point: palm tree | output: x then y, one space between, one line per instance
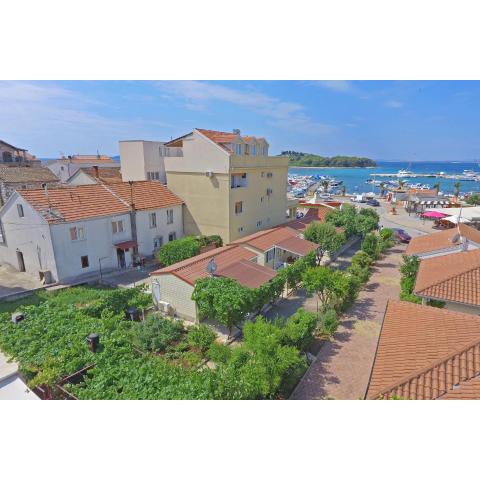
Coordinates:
436 187
457 186
325 184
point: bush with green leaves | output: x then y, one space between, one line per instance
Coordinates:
328 322
370 246
155 333
473 199
362 259
201 337
219 353
299 329
186 247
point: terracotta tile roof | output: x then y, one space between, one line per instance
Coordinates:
11 146
192 269
441 240
454 277
106 175
147 194
74 203
423 352
422 193
297 245
247 273
266 239
27 174
89 159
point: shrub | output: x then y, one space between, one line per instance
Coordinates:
155 333
409 271
191 359
370 246
178 250
362 260
386 234
201 337
328 322
218 353
299 329
473 199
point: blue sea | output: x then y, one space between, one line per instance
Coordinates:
355 178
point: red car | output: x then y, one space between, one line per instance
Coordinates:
401 235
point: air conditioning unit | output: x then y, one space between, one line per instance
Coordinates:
165 307
209 174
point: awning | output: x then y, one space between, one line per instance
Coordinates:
126 245
434 215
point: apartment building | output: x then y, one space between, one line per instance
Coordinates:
64 234
143 160
230 185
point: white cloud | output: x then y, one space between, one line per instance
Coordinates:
197 95
393 104
336 85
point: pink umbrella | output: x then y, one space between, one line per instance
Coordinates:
434 215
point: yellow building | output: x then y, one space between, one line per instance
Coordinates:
231 187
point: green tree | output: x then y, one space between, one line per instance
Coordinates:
299 329
155 333
473 199
329 285
457 186
222 299
362 260
201 337
326 235
343 217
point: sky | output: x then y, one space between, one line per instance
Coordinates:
384 120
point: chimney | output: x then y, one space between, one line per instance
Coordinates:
236 131
95 169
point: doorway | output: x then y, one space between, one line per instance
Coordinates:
21 261
121 258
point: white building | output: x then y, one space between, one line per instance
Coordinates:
143 160
65 167
65 233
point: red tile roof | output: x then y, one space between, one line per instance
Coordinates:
192 269
297 245
74 203
106 175
247 273
442 240
88 159
424 352
454 277
146 194
27 174
79 202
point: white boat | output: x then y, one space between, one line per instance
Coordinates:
405 174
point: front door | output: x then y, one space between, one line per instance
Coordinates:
21 261
121 258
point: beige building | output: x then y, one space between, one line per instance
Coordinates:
143 160
231 187
11 155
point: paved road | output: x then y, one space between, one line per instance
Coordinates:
342 367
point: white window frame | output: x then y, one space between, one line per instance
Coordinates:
241 207
268 253
20 210
169 216
117 226
79 233
238 148
254 150
152 219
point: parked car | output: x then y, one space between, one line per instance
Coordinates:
358 199
373 203
401 235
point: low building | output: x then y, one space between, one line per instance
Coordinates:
417 201
277 246
453 279
315 213
24 178
95 174
144 160
65 167
251 261
10 155
458 239
65 234
426 353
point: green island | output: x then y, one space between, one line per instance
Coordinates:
300 159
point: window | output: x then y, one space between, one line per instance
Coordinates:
84 260
247 149
157 242
20 210
254 149
7 156
269 175
263 174
2 235
238 149
117 227
169 217
153 175
269 255
152 218
172 236
240 229
259 223
77 233
261 199
238 207
264 151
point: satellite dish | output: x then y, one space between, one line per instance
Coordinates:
212 266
